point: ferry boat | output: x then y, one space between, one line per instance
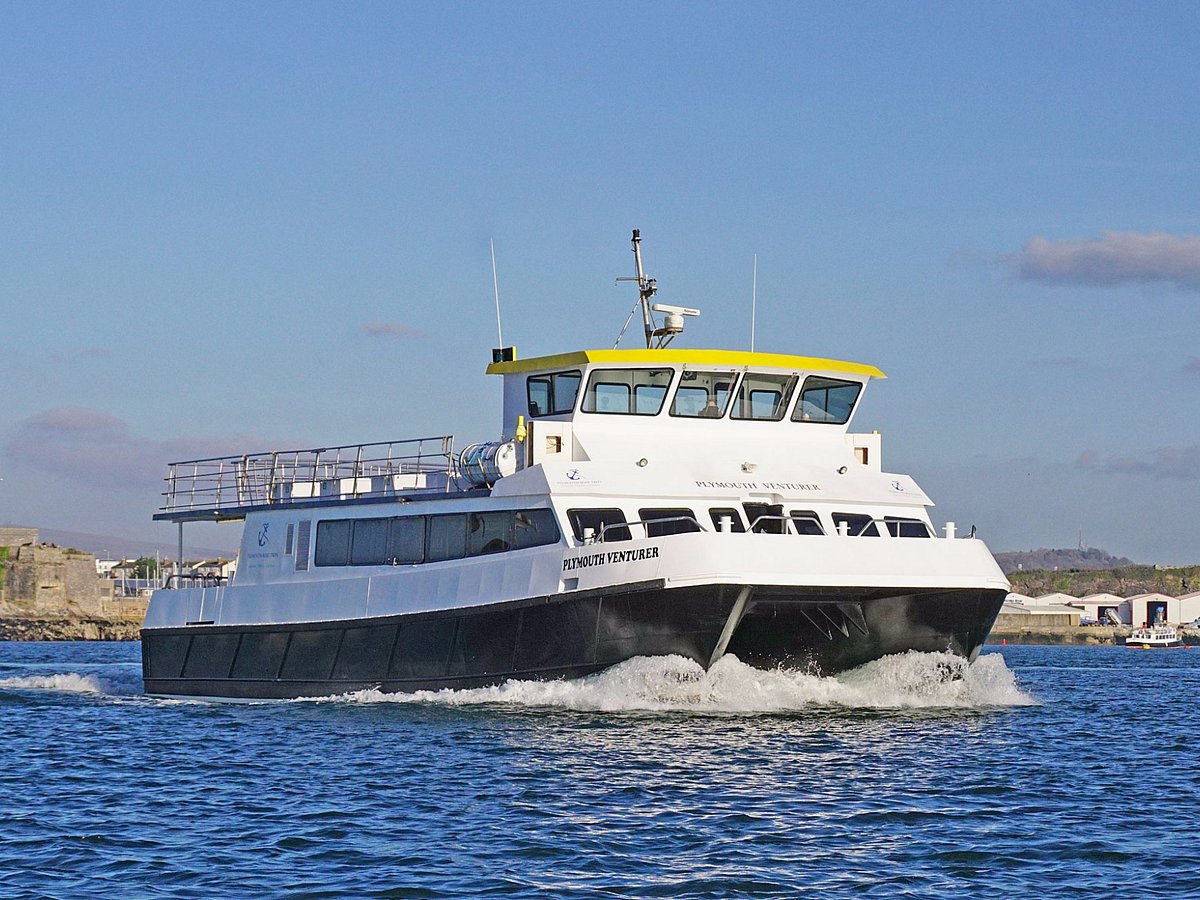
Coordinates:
638 502
1159 636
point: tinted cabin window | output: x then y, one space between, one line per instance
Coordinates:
661 522
735 524
551 395
369 543
857 525
446 537
764 518
534 528
629 392
763 396
596 520
333 542
805 521
489 532
406 541
898 527
702 394
826 400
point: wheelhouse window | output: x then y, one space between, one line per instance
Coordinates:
827 400
553 394
609 522
702 395
627 392
857 525
899 527
661 522
763 396
534 528
446 537
489 532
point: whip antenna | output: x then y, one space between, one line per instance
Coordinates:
496 288
753 300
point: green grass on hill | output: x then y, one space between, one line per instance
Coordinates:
1125 581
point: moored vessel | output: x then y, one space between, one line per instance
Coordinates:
1159 636
638 502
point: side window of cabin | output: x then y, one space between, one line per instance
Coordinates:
446 537
828 400
596 520
805 521
735 520
763 396
489 532
637 392
406 541
551 395
899 527
369 542
660 522
702 394
534 528
857 525
765 518
333 542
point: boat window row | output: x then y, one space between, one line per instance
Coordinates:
610 523
408 540
761 396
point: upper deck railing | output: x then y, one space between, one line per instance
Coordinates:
227 486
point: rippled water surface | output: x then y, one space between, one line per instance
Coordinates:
1046 771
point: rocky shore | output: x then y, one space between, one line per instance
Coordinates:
1082 635
64 628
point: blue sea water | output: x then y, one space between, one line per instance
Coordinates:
1048 771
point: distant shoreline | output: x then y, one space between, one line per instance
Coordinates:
73 628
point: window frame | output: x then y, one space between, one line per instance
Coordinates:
830 383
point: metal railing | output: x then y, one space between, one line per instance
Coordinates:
382 469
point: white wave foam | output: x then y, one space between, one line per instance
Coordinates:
905 681
69 682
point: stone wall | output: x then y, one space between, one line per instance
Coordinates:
41 579
15 536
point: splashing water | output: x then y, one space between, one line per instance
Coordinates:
904 681
68 682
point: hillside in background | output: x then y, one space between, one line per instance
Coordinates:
1051 560
1123 581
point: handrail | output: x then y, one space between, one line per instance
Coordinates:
645 522
192 578
219 484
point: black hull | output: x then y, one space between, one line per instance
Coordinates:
563 636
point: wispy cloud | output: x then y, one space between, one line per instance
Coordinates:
1114 258
95 352
94 447
1165 462
392 330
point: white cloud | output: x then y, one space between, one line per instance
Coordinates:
1114 258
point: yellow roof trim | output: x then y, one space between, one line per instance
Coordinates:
735 358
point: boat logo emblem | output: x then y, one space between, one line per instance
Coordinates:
897 486
572 474
263 536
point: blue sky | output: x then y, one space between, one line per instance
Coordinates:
235 227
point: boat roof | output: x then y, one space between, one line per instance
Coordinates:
736 358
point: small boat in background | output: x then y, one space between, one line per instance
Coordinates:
1159 637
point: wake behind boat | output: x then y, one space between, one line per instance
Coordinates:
639 503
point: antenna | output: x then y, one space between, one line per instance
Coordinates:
753 300
496 288
647 288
